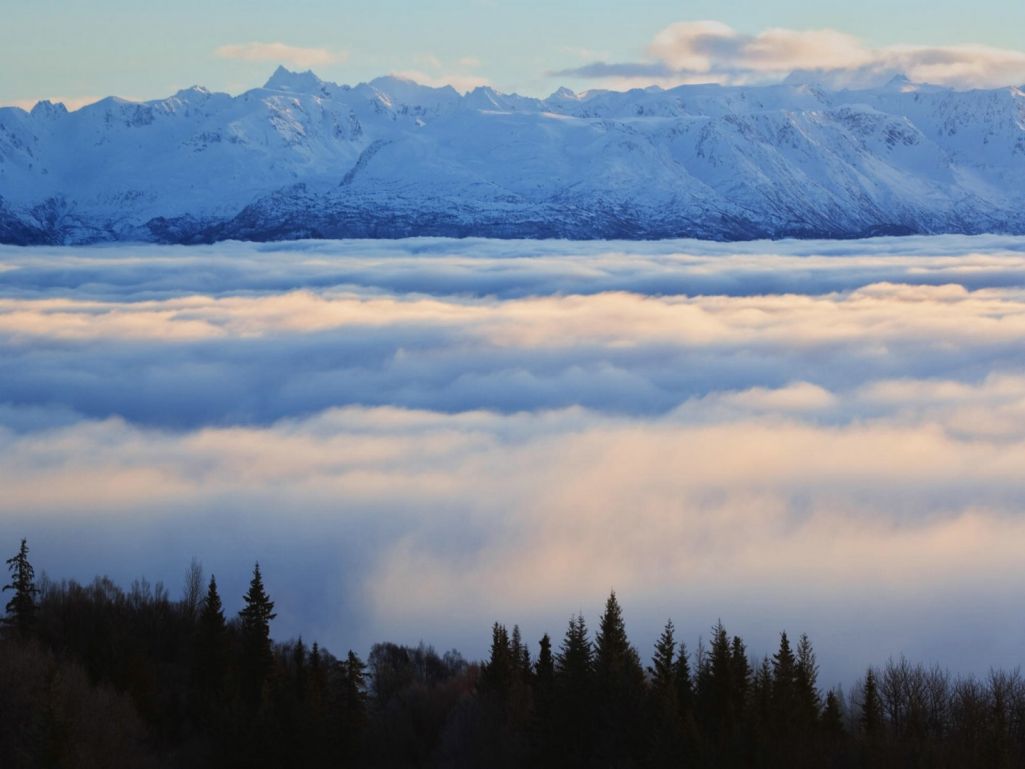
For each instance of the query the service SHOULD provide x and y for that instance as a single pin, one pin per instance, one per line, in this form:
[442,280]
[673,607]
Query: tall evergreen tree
[543,734]
[832,717]
[255,618]
[784,681]
[806,673]
[666,729]
[663,665]
[496,678]
[871,706]
[574,689]
[520,655]
[684,682]
[717,694]
[619,677]
[210,656]
[21,609]
[353,709]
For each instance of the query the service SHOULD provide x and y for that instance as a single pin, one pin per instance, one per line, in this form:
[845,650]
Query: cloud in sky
[711,51]
[281,53]
[462,82]
[417,438]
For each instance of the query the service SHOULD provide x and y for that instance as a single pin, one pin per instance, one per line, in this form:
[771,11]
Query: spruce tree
[832,717]
[666,730]
[784,680]
[210,657]
[806,672]
[871,706]
[520,655]
[663,665]
[785,718]
[574,688]
[543,730]
[21,609]
[353,709]
[619,677]
[255,617]
[496,678]
[684,681]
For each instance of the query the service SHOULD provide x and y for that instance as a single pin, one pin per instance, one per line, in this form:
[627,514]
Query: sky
[79,50]
[418,438]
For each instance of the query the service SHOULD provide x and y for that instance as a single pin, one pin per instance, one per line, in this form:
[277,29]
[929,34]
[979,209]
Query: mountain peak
[899,82]
[47,108]
[284,79]
[564,93]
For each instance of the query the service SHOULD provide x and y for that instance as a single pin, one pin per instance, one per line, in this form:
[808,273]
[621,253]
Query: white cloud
[711,51]
[280,53]
[460,81]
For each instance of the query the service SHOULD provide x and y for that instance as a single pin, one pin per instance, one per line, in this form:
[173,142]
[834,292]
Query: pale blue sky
[87,48]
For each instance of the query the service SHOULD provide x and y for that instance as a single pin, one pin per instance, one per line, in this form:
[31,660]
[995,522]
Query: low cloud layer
[711,51]
[281,53]
[419,438]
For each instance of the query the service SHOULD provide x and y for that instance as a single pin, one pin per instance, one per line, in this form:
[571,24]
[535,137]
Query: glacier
[305,158]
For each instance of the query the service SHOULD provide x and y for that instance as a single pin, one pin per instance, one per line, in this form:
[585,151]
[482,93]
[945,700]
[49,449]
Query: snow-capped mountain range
[301,157]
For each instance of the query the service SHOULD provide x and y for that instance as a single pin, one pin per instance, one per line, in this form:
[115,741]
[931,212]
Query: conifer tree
[543,727]
[544,668]
[666,731]
[614,656]
[497,676]
[663,665]
[210,658]
[740,668]
[21,609]
[255,617]
[574,689]
[806,672]
[299,659]
[784,679]
[520,655]
[353,709]
[832,717]
[318,677]
[619,678]
[684,681]
[871,706]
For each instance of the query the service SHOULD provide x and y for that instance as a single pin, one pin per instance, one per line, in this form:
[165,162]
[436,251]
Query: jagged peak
[47,108]
[285,79]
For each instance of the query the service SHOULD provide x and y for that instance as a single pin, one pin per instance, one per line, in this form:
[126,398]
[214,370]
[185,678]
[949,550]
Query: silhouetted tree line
[96,676]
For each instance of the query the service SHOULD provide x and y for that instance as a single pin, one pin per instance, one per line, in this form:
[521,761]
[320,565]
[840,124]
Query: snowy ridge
[302,157]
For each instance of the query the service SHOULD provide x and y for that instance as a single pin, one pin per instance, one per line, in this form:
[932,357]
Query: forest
[95,675]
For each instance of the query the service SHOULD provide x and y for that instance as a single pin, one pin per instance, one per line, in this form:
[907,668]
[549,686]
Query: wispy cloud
[711,51]
[436,72]
[460,81]
[280,53]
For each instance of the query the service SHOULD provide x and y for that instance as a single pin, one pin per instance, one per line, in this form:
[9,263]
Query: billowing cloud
[281,53]
[710,51]
[417,438]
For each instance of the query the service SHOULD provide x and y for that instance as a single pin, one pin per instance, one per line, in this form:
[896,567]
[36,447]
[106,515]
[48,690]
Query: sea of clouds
[417,438]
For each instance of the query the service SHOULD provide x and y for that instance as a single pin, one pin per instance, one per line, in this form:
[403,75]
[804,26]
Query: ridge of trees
[93,675]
